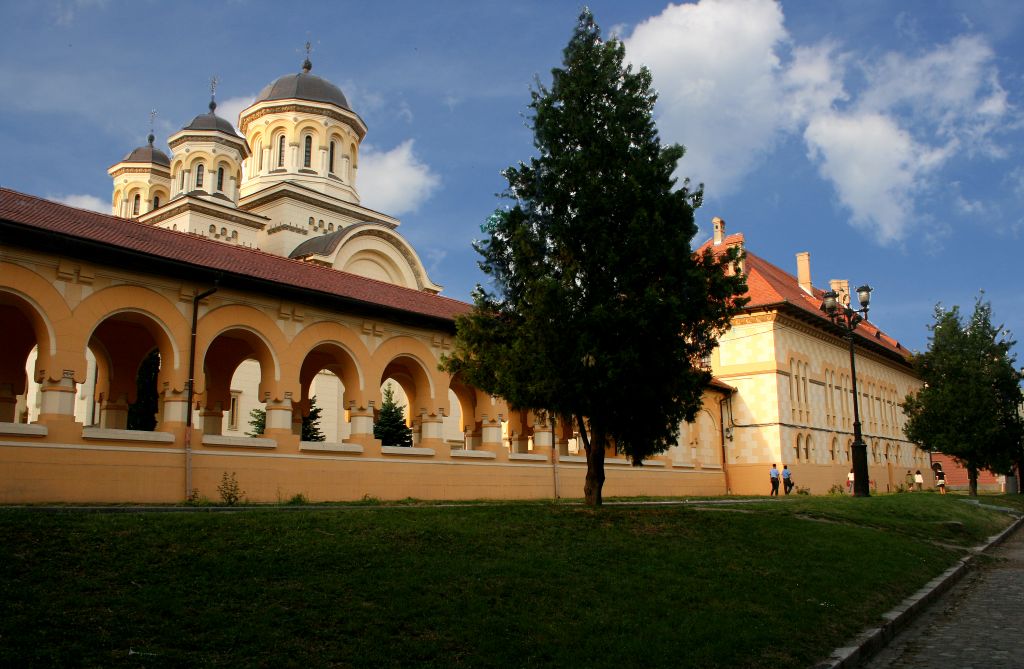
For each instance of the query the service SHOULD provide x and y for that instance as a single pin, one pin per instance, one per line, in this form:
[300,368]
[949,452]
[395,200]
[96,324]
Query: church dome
[303,86]
[148,154]
[210,121]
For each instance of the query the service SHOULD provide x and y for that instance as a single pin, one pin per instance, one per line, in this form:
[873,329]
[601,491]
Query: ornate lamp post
[848,318]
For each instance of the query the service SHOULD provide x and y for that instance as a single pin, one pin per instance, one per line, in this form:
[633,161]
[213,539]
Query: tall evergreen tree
[311,423]
[599,311]
[390,427]
[968,406]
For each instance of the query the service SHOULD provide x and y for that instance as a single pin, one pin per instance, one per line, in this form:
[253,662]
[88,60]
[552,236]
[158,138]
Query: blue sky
[883,137]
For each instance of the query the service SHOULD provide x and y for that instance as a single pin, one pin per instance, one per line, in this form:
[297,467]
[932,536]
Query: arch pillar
[542,435]
[361,424]
[431,432]
[58,399]
[490,437]
[114,412]
[279,423]
[8,403]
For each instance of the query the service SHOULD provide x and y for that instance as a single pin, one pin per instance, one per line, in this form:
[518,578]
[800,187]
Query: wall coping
[330,447]
[407,450]
[24,429]
[111,434]
[466,453]
[238,442]
[528,456]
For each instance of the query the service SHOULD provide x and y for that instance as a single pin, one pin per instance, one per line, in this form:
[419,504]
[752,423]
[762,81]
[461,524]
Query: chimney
[719,226]
[842,289]
[803,271]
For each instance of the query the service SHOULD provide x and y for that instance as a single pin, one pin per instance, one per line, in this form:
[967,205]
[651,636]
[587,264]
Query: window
[156,201]
[233,410]
[307,152]
[181,182]
[136,203]
[330,159]
[199,176]
[280,151]
[220,178]
[259,153]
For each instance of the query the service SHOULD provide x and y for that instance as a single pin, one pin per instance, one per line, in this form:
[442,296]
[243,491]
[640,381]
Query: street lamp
[848,318]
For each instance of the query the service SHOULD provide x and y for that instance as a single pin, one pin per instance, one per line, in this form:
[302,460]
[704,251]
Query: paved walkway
[977,624]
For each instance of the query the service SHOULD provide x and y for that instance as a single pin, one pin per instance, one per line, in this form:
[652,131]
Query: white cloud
[732,83]
[395,182]
[230,109]
[64,11]
[83,201]
[715,68]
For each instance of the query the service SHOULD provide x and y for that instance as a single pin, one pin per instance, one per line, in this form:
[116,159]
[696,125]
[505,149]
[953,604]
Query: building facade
[247,262]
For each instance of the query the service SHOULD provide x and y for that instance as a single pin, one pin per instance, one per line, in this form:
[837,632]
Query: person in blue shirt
[773,473]
[787,479]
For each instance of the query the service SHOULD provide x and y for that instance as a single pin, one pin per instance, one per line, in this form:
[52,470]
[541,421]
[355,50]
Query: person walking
[940,480]
[919,481]
[787,479]
[910,481]
[849,481]
[773,474]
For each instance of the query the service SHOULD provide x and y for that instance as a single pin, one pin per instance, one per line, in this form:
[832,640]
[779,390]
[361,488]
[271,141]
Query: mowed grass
[757,585]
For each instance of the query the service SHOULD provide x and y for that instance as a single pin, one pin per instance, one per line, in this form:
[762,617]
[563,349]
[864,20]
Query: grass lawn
[773,584]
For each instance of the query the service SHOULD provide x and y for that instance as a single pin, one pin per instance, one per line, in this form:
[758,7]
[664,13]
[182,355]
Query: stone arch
[413,365]
[263,339]
[348,346]
[54,327]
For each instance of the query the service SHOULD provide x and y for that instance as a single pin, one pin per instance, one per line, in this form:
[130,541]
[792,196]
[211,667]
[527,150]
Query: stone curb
[872,640]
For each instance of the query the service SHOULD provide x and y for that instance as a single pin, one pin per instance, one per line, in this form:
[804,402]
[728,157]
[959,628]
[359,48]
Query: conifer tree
[311,423]
[597,309]
[390,427]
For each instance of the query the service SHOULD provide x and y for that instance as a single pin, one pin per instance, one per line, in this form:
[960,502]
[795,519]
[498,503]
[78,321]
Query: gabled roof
[769,286]
[191,253]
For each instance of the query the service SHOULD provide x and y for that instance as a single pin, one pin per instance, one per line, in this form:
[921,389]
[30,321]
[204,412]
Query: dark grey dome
[303,86]
[148,154]
[211,121]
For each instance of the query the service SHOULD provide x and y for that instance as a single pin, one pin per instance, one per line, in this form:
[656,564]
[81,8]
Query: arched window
[181,181]
[330,158]
[259,154]
[220,178]
[199,175]
[280,151]
[156,201]
[136,203]
[799,444]
[307,152]
[312,222]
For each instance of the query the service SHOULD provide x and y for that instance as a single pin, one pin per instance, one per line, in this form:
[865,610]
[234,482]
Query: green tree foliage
[390,427]
[258,422]
[142,412]
[310,423]
[599,311]
[968,405]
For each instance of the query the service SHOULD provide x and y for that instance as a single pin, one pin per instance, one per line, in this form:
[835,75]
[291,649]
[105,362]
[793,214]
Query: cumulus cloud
[230,109]
[82,201]
[395,182]
[732,84]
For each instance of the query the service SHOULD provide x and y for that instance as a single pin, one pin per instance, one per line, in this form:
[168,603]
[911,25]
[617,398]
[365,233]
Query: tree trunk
[972,480]
[594,446]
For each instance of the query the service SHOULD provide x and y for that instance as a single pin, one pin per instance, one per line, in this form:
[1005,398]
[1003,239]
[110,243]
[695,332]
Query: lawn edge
[873,639]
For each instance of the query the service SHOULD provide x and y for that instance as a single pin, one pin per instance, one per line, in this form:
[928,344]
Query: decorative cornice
[239,145]
[158,170]
[176,208]
[286,190]
[350,119]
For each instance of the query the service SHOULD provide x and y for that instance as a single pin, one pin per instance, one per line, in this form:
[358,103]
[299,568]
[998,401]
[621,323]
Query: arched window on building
[199,175]
[220,179]
[307,152]
[807,448]
[799,446]
[156,201]
[181,181]
[280,151]
[259,157]
[136,204]
[330,158]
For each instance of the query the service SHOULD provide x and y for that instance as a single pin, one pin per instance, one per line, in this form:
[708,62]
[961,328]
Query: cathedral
[245,264]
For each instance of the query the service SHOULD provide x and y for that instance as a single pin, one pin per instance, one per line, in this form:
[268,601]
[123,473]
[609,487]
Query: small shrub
[230,492]
[837,489]
[800,490]
[193,497]
[298,499]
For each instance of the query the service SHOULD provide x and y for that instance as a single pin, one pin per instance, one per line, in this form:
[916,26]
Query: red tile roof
[769,285]
[189,249]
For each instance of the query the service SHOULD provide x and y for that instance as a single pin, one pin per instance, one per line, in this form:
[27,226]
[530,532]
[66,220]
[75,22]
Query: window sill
[238,442]
[329,447]
[407,450]
[23,429]
[127,435]
[464,453]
